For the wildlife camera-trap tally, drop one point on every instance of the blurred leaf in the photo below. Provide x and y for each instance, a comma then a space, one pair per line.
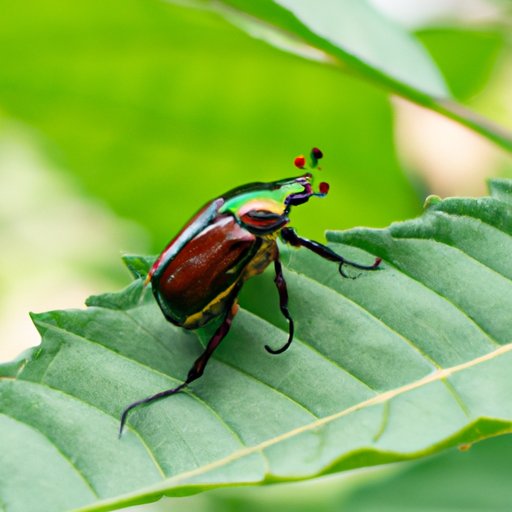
476, 480
353, 32
157, 109
466, 77
353, 36
394, 365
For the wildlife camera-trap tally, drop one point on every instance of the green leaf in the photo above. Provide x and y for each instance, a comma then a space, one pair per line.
466, 77
353, 36
393, 365
475, 479
356, 33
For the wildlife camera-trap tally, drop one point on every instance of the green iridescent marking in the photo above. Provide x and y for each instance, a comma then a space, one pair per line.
278, 195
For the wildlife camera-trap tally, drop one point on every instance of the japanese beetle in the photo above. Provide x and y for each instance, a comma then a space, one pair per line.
200, 273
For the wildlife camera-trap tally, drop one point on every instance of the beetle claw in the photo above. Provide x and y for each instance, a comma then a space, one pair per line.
276, 351
342, 272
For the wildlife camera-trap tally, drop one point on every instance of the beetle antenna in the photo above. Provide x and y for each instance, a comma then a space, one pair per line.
300, 162
315, 155
323, 189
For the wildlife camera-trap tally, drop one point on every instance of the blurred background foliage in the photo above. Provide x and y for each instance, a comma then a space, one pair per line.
156, 109
118, 120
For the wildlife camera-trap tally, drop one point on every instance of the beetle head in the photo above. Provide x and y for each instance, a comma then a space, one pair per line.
307, 191
306, 180
276, 197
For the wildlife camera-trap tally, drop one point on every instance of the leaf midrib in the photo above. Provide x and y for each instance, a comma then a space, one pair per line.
166, 376
146, 367
382, 398
410, 342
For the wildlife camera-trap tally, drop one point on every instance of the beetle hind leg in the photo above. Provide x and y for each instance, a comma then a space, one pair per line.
283, 304
194, 373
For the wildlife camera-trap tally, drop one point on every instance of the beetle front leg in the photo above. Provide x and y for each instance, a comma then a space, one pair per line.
290, 236
283, 304
194, 373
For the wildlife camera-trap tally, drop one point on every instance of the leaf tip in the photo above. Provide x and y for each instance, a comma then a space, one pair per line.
431, 200
138, 266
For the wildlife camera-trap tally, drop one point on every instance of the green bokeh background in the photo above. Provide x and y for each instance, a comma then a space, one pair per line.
156, 109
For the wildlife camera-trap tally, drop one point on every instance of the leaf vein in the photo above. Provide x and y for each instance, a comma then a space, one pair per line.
64, 455
378, 399
455, 305
96, 408
465, 253
278, 391
490, 338
321, 354
157, 372
375, 318
457, 397
249, 376
480, 219
406, 339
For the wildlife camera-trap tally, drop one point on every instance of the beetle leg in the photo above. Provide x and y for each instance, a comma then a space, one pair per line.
290, 236
283, 304
194, 373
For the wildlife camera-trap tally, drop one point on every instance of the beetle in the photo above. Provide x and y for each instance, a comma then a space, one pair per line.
198, 276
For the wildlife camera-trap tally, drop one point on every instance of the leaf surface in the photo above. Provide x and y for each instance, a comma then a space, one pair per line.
390, 366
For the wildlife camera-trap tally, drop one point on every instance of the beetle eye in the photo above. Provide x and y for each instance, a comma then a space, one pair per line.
262, 215
263, 221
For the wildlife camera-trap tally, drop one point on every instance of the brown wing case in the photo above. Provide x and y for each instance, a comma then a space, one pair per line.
197, 283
